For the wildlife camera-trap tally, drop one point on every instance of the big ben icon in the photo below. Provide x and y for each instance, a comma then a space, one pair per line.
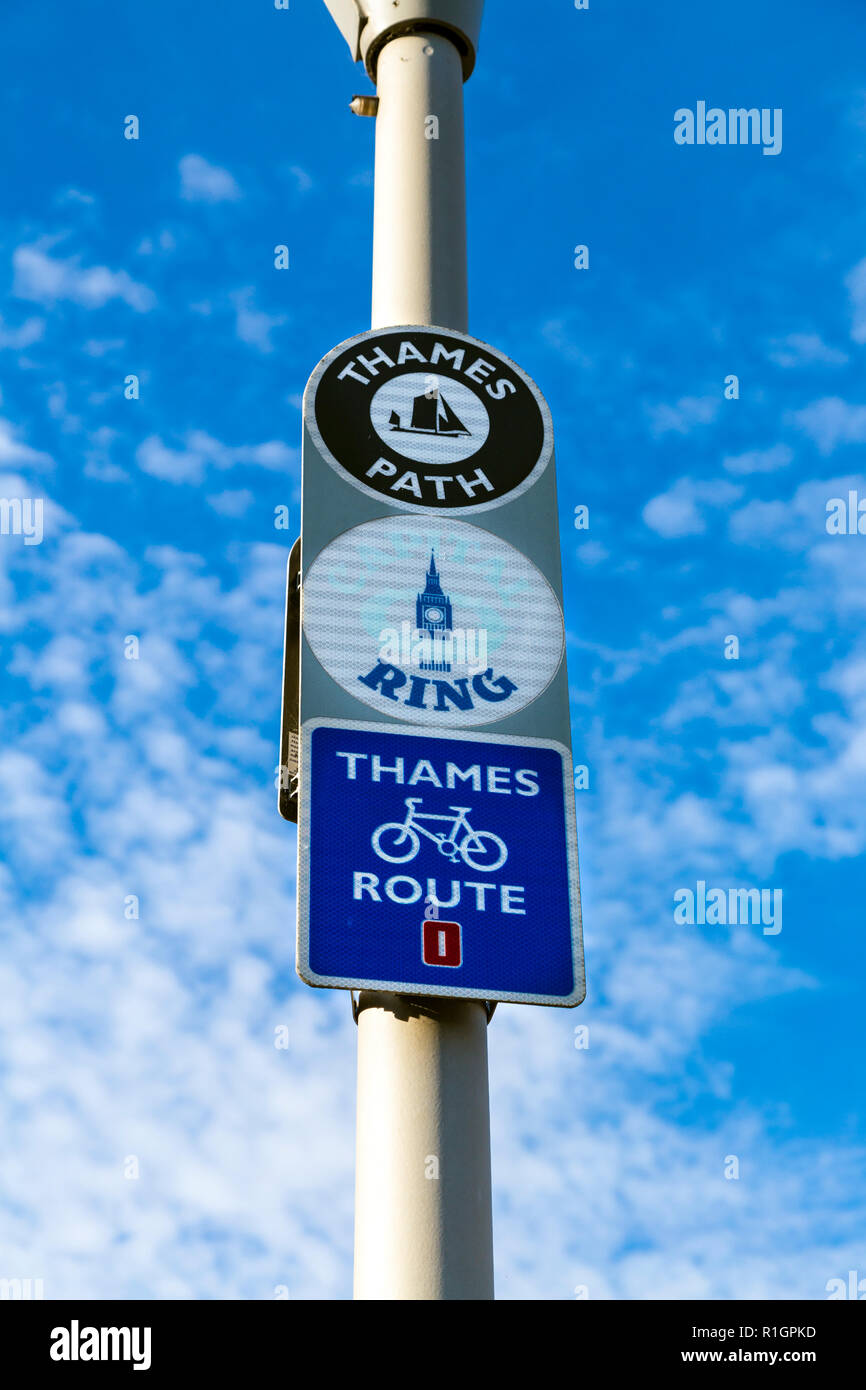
433, 616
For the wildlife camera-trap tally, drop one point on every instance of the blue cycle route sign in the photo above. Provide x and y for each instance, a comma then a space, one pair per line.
438, 864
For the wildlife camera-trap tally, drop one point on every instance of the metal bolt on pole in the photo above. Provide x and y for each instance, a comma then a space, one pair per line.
423, 1225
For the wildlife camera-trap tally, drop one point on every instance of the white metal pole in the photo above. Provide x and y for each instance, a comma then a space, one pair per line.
423, 1226
422, 1185
419, 230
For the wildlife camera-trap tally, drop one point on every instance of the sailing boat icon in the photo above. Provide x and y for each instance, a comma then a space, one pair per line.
431, 414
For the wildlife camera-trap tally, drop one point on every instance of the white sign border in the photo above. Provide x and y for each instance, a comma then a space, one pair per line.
302, 963
311, 423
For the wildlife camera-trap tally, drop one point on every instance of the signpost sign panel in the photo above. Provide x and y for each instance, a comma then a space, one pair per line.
433, 645
425, 417
447, 625
448, 867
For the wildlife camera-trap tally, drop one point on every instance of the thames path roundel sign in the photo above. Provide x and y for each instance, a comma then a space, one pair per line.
430, 419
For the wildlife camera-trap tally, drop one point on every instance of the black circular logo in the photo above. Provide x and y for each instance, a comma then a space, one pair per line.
428, 418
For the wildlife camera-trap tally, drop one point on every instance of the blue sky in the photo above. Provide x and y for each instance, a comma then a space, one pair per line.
154, 1037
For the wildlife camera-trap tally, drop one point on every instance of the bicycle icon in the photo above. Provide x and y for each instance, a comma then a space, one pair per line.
397, 842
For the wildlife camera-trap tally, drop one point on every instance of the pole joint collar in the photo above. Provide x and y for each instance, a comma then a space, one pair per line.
374, 998
367, 25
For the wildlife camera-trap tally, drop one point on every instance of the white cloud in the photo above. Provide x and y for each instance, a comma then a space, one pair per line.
680, 510
759, 460
738, 696
34, 815
832, 421
302, 178
47, 280
30, 331
848, 678
273, 454
592, 553
682, 417
98, 347
14, 452
252, 325
64, 662
855, 283
188, 465
795, 523
165, 242
58, 401
98, 462
232, 504
172, 465
805, 349
201, 182
565, 340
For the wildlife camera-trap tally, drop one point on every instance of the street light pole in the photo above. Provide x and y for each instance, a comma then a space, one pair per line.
419, 228
423, 1225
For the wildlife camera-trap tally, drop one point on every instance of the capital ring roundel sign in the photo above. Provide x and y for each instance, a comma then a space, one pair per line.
432, 622
428, 419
